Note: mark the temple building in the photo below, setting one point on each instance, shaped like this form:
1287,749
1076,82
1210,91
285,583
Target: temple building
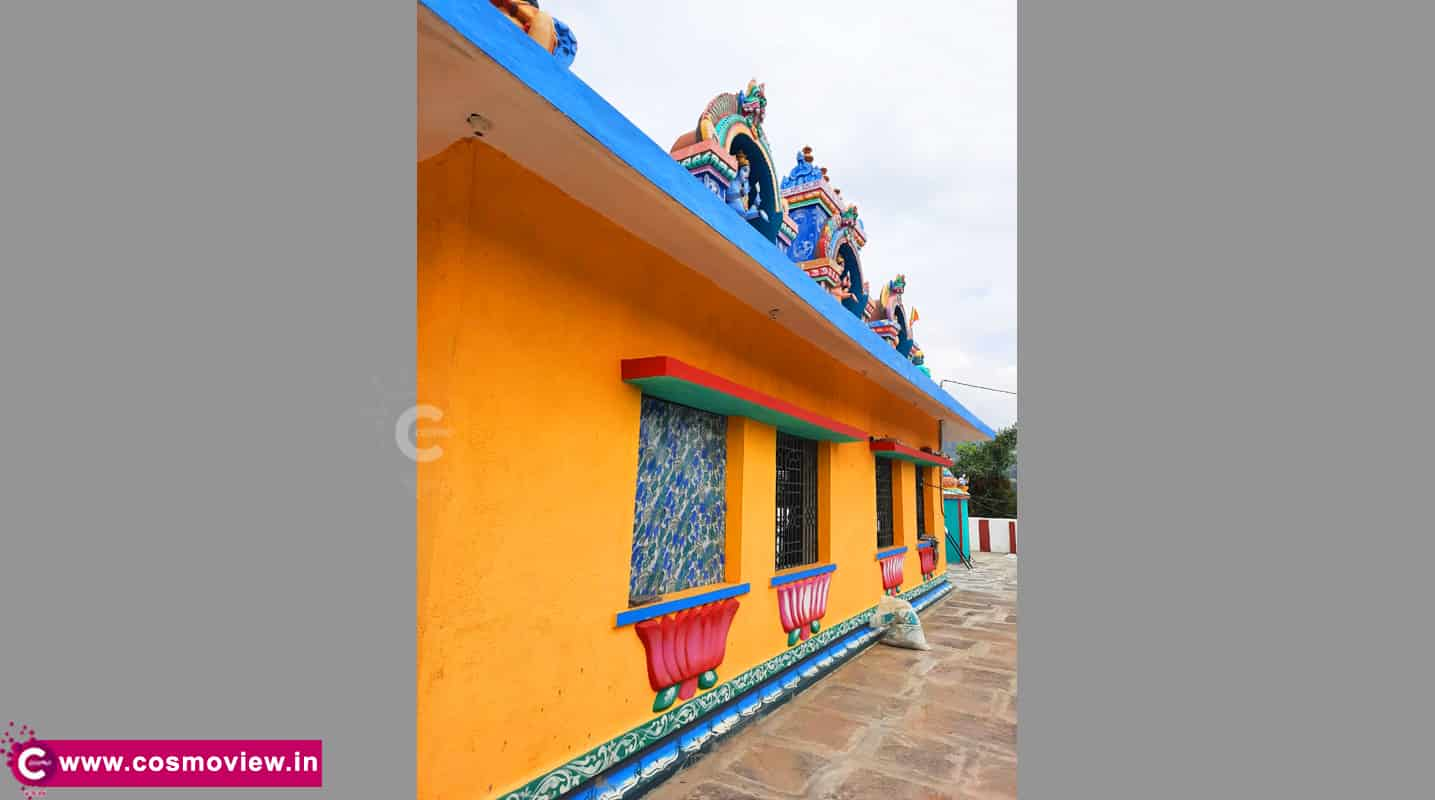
692,441
955,497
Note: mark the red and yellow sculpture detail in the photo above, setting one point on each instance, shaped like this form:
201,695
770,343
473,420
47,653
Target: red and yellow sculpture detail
685,649
928,555
550,34
801,605
891,573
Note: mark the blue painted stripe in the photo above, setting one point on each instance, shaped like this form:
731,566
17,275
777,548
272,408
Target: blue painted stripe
690,738
620,777
778,580
925,543
649,760
891,551
502,41
658,609
927,598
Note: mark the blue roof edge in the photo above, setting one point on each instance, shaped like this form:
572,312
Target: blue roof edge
503,42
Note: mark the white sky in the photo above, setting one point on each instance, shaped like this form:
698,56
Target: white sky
911,107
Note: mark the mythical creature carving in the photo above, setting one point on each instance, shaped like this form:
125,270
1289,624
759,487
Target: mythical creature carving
750,104
840,229
887,318
550,34
890,298
753,101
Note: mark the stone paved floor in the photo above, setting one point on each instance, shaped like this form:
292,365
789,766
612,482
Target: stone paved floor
891,724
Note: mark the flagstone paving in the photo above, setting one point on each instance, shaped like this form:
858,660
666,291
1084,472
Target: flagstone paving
891,724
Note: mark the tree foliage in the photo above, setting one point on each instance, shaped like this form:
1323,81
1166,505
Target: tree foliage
989,467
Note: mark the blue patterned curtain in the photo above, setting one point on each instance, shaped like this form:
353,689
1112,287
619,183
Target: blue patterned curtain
680,509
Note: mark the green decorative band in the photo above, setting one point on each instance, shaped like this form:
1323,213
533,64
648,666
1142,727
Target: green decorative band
923,588
709,160
598,760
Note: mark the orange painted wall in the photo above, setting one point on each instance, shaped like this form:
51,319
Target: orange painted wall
527,303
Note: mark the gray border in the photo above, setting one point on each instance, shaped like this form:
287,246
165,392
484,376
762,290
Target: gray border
207,315
1223,208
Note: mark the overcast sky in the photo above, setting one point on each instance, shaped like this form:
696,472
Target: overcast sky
911,107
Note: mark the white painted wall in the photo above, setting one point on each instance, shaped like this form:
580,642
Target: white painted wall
1001,534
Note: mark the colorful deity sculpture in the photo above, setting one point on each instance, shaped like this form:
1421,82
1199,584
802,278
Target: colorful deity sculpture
842,291
805,172
729,153
550,34
740,188
805,215
952,485
829,235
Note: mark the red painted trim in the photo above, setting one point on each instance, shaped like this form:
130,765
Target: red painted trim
891,571
984,536
1011,529
929,561
681,647
669,367
894,446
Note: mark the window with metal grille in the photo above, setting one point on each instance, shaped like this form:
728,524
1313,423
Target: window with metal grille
796,501
885,536
921,503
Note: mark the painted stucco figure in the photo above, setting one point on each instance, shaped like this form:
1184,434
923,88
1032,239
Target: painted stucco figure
842,290
919,360
891,567
891,298
685,649
550,34
750,104
928,559
805,172
954,485
801,606
887,318
727,140
741,196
